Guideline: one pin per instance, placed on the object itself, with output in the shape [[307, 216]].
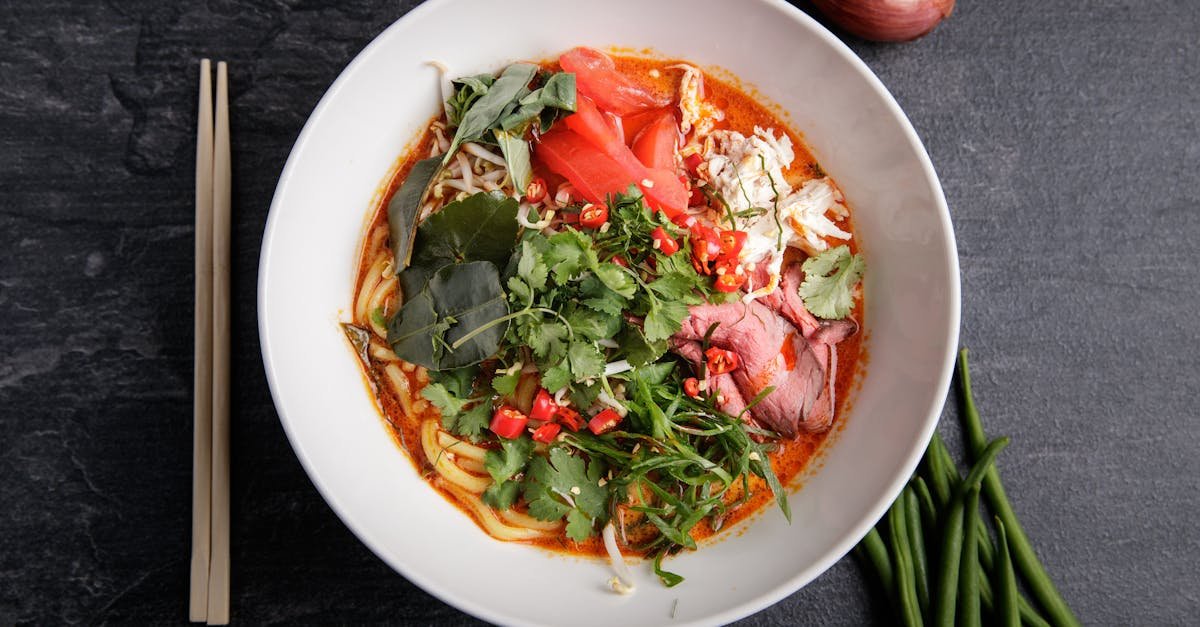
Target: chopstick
[[202, 373], [218, 571], [209, 597]]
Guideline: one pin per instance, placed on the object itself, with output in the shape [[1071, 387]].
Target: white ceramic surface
[[378, 104]]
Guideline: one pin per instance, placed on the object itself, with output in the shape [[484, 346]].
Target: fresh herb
[[775, 203], [556, 94], [829, 280], [501, 111], [486, 111], [563, 484], [501, 496], [516, 157], [481, 227], [469, 89], [509, 459], [456, 303], [461, 414], [405, 206]]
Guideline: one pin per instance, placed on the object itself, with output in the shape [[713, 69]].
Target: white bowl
[[379, 104]]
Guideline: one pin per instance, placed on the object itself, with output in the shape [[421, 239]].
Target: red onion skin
[[886, 20]]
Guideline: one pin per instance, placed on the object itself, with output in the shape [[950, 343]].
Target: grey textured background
[[1065, 134]]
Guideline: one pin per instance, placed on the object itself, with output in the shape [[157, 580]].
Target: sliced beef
[[786, 300], [780, 344], [773, 353], [831, 332]]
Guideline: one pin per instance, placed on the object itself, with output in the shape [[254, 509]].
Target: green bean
[[1029, 614], [874, 551], [1023, 556], [925, 500], [906, 594], [1006, 581], [916, 543], [947, 586], [968, 576], [937, 469], [953, 478], [983, 464]]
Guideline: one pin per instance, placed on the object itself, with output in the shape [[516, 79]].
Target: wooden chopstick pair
[[209, 601]]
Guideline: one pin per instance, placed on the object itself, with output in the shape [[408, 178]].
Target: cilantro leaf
[[519, 292], [506, 384], [543, 505], [586, 360], [546, 339], [580, 527], [509, 459], [457, 381], [616, 278], [556, 377], [501, 496], [599, 297], [471, 423], [637, 349], [569, 254], [592, 324], [664, 319], [531, 268], [584, 395], [674, 286], [829, 280], [443, 399], [568, 474]]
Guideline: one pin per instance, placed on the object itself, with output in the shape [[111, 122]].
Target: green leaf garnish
[[829, 280], [458, 300]]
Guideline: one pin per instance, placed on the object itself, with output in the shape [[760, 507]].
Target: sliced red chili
[[536, 191], [706, 248], [565, 194], [729, 282], [664, 242], [543, 406], [685, 220], [604, 421], [508, 422], [732, 243], [721, 361], [593, 215], [691, 387], [547, 432], [569, 418]]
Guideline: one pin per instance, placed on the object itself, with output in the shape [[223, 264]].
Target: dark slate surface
[[1066, 138]]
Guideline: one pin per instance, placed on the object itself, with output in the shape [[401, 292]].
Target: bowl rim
[[786, 587]]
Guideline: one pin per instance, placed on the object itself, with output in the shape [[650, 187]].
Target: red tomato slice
[[590, 122], [633, 124], [597, 78], [593, 174], [655, 145], [664, 190]]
